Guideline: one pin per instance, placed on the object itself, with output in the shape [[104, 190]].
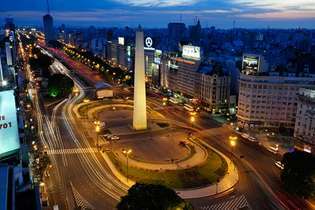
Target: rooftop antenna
[[48, 8]]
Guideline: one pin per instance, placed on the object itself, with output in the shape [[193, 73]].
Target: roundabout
[[165, 153]]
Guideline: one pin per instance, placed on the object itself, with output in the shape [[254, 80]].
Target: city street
[[76, 159]]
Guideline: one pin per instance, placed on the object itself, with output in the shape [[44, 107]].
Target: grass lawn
[[214, 168]]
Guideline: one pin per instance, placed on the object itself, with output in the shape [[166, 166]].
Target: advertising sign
[[250, 63], [157, 56], [9, 137], [191, 52], [121, 40], [148, 42]]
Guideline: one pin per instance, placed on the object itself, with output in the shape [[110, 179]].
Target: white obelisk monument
[[139, 106]]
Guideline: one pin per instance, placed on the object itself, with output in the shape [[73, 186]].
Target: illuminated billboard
[[121, 40], [157, 56], [250, 64], [191, 52], [9, 137]]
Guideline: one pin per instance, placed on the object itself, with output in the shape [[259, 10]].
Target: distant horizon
[[251, 14], [99, 26]]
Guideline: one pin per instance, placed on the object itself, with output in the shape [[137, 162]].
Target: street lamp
[[127, 152], [97, 130], [233, 140], [192, 120]]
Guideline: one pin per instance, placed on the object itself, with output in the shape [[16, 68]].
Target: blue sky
[[157, 13]]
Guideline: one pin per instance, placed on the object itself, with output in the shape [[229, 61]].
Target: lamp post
[[233, 141], [127, 152], [192, 120], [97, 130]]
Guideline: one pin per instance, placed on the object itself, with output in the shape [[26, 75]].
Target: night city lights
[[157, 105]]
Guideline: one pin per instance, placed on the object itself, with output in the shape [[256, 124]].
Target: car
[[253, 139], [115, 138], [279, 164], [245, 135], [108, 136]]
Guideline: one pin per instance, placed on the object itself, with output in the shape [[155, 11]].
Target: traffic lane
[[263, 162], [248, 184], [86, 185]]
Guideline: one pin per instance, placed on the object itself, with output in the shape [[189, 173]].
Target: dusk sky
[[157, 13]]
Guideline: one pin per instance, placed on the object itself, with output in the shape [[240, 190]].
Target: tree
[[59, 85], [298, 175], [152, 197], [40, 61]]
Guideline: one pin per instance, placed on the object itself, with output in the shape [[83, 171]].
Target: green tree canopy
[[298, 175], [59, 85], [152, 197], [40, 61]]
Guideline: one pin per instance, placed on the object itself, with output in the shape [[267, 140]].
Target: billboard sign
[[250, 63], [157, 56], [191, 52], [121, 40], [9, 137]]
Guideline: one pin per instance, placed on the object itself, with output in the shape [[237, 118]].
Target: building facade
[[196, 80], [48, 28], [269, 101], [304, 129]]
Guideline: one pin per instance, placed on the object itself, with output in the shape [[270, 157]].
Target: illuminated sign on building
[[250, 64], [157, 56], [121, 40], [148, 42], [9, 137], [191, 52]]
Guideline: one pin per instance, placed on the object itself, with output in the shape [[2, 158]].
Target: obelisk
[[139, 106]]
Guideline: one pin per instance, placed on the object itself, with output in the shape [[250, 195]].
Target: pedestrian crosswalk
[[235, 203], [71, 151], [80, 201]]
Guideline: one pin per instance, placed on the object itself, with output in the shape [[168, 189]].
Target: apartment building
[[304, 129], [270, 100]]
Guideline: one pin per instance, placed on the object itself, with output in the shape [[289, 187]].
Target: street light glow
[[233, 140], [127, 151]]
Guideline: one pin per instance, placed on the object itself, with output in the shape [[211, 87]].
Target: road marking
[[79, 200], [235, 203], [71, 151]]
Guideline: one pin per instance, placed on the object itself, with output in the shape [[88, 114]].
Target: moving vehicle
[[103, 90], [189, 108], [279, 164]]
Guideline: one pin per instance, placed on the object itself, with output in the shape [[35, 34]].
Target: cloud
[[281, 15], [277, 4], [115, 14], [158, 3]]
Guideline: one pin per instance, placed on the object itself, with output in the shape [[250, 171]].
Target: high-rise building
[[195, 32], [304, 129], [176, 31], [196, 80], [269, 100], [9, 24], [48, 28]]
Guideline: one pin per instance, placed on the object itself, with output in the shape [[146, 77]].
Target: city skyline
[[117, 13]]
